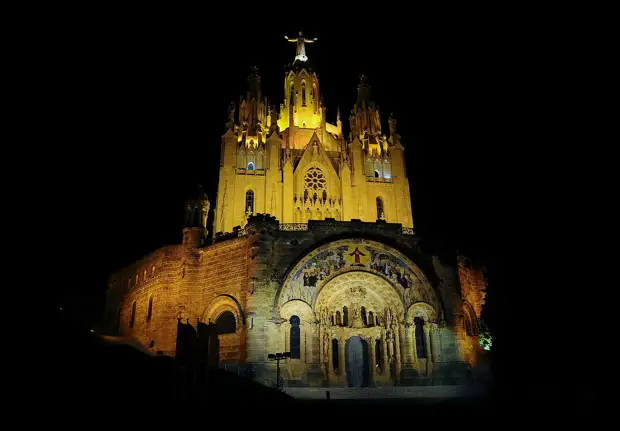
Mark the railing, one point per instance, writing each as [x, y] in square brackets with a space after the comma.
[408, 231]
[378, 180]
[259, 172]
[294, 227]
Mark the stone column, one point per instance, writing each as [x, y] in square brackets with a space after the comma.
[341, 361]
[372, 362]
[386, 364]
[406, 350]
[414, 361]
[436, 345]
[397, 355]
[429, 358]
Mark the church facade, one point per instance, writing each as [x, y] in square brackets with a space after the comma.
[314, 254]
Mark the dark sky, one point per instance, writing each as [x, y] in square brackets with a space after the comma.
[139, 106]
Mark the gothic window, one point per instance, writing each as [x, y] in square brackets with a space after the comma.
[364, 317]
[295, 338]
[371, 319]
[420, 342]
[345, 316]
[324, 196]
[132, 318]
[377, 320]
[332, 319]
[378, 358]
[226, 323]
[338, 319]
[153, 271]
[144, 275]
[376, 174]
[137, 278]
[249, 201]
[380, 213]
[149, 311]
[315, 180]
[335, 355]
[251, 166]
[303, 93]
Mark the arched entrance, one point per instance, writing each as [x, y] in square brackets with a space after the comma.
[356, 362]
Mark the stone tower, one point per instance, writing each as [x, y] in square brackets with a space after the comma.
[196, 214]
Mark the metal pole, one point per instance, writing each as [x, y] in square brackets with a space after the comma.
[278, 374]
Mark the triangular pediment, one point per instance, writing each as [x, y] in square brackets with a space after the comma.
[315, 154]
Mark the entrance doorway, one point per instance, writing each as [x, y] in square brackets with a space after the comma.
[356, 362]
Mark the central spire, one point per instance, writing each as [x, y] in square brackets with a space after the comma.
[301, 48]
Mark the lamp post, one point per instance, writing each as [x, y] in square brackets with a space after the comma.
[278, 357]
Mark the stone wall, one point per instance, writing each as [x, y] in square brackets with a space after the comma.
[188, 283]
[161, 285]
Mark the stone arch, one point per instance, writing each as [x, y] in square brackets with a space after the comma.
[471, 321]
[297, 367]
[291, 288]
[360, 288]
[424, 310]
[219, 305]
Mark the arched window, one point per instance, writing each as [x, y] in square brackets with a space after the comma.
[335, 355]
[380, 213]
[144, 275]
[226, 323]
[132, 318]
[249, 201]
[376, 174]
[345, 316]
[371, 319]
[364, 317]
[153, 271]
[338, 319]
[377, 320]
[149, 311]
[420, 342]
[332, 319]
[378, 357]
[251, 166]
[303, 93]
[295, 338]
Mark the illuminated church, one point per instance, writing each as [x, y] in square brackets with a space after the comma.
[314, 253]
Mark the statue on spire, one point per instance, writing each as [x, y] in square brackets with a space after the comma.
[301, 48]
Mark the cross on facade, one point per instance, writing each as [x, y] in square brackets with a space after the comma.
[357, 253]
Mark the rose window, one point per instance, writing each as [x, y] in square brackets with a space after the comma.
[315, 180]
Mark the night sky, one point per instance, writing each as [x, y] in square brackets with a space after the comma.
[141, 107]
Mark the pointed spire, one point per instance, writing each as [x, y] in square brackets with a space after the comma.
[392, 123]
[230, 124]
[364, 93]
[273, 128]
